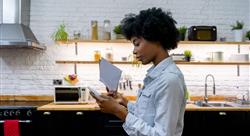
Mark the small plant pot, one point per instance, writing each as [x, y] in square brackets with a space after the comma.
[182, 37]
[187, 58]
[238, 35]
[119, 36]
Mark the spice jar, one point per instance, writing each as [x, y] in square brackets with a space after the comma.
[109, 54]
[77, 35]
[106, 30]
[94, 28]
[97, 55]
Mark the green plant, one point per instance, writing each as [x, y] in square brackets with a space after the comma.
[60, 34]
[187, 53]
[248, 34]
[118, 29]
[182, 29]
[239, 25]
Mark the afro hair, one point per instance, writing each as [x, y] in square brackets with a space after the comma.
[153, 25]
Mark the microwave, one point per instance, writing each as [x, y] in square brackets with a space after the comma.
[68, 94]
[202, 33]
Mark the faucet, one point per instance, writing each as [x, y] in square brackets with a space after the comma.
[246, 95]
[206, 96]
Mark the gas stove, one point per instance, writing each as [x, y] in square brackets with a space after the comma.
[24, 112]
[16, 112]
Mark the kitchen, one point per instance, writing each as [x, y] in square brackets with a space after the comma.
[29, 77]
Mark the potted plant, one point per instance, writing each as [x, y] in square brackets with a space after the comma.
[60, 35]
[248, 35]
[118, 31]
[238, 32]
[188, 55]
[182, 32]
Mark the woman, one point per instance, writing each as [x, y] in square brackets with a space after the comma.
[159, 109]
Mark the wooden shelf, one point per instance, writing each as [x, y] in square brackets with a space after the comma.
[89, 62]
[177, 62]
[126, 41]
[213, 63]
[214, 42]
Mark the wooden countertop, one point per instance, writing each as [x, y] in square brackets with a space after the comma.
[94, 106]
[23, 103]
[193, 107]
[69, 107]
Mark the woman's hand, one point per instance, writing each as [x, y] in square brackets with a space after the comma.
[121, 99]
[108, 104]
[118, 97]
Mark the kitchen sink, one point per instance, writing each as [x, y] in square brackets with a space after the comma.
[220, 105]
[212, 104]
[202, 104]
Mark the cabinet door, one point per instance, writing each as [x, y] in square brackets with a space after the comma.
[67, 123]
[50, 123]
[113, 126]
[89, 123]
[228, 123]
[193, 123]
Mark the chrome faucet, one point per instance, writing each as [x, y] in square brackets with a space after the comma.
[206, 96]
[246, 95]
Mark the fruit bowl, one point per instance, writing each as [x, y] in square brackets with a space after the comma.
[71, 78]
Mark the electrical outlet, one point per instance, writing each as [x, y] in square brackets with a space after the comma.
[57, 82]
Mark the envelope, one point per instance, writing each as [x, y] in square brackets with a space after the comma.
[109, 74]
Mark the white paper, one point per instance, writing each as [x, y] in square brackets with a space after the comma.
[109, 74]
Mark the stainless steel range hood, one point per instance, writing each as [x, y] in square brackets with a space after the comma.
[14, 28]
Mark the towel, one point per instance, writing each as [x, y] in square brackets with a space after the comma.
[11, 128]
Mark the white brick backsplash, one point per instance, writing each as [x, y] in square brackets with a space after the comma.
[29, 72]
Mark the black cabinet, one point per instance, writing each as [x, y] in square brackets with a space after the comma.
[113, 126]
[85, 123]
[193, 123]
[216, 123]
[228, 123]
[95, 123]
[65, 123]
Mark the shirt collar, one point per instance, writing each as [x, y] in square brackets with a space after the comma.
[155, 71]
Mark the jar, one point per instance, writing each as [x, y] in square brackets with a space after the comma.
[77, 35]
[109, 54]
[97, 55]
[94, 30]
[106, 30]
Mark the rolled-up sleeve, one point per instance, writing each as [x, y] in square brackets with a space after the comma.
[131, 107]
[168, 101]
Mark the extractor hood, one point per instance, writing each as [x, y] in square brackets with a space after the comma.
[14, 28]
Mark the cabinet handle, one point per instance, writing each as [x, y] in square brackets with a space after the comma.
[222, 113]
[79, 113]
[46, 113]
[114, 121]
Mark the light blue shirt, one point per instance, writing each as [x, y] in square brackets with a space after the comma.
[160, 106]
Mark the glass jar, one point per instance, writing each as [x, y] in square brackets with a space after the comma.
[94, 30]
[109, 54]
[97, 55]
[77, 35]
[106, 30]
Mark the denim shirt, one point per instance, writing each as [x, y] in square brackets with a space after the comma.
[160, 105]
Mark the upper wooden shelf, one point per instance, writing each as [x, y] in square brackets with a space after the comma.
[177, 62]
[126, 41]
[214, 42]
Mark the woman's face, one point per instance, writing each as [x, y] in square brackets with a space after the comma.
[144, 50]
